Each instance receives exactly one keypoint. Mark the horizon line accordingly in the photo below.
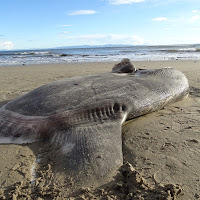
(103, 45)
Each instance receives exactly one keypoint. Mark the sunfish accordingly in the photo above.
(83, 115)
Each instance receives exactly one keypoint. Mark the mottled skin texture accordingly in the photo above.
(83, 115)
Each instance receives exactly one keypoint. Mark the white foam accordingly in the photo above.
(187, 50)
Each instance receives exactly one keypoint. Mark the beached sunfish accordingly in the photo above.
(82, 116)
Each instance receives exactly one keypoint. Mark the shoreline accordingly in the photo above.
(163, 145)
(148, 64)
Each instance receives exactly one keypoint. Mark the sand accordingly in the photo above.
(161, 150)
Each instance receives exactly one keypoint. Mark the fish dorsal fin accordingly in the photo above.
(124, 66)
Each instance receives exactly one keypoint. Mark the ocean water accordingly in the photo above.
(100, 54)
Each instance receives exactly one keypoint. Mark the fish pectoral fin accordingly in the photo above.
(93, 148)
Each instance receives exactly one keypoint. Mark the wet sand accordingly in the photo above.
(162, 148)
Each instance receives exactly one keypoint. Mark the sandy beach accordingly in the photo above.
(163, 148)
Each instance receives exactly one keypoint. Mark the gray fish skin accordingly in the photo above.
(83, 115)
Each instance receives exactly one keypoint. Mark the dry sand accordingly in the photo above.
(162, 149)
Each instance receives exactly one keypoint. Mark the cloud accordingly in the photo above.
(62, 34)
(118, 2)
(6, 45)
(167, 28)
(82, 12)
(195, 18)
(194, 29)
(101, 39)
(160, 19)
(195, 11)
(64, 25)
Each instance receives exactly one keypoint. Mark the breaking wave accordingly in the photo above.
(33, 53)
(181, 50)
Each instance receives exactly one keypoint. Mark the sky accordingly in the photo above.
(30, 24)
